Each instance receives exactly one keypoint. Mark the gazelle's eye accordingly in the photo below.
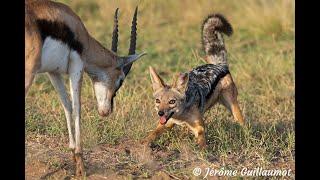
(157, 101)
(172, 101)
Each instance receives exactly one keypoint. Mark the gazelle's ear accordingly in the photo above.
(122, 61)
(181, 82)
(157, 82)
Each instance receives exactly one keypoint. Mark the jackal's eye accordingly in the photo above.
(172, 101)
(157, 101)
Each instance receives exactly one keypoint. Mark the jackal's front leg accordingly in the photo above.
(158, 131)
(197, 127)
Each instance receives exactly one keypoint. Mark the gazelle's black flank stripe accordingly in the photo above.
(60, 31)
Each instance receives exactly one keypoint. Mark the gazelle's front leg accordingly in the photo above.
(75, 71)
(59, 86)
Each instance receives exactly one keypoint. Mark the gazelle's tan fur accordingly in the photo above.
(57, 42)
(93, 52)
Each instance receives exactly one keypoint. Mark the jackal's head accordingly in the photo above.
(169, 100)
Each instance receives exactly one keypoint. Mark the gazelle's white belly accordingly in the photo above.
(55, 56)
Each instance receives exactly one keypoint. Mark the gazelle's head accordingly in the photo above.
(108, 79)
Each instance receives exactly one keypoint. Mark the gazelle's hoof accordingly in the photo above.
(80, 171)
(73, 157)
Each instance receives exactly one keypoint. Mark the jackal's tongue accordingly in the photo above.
(163, 120)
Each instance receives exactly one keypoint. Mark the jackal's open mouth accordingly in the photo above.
(164, 119)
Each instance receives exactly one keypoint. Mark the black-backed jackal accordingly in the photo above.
(193, 93)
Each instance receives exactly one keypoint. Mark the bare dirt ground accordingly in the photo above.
(49, 158)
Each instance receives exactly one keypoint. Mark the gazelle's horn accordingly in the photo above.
(114, 46)
(133, 39)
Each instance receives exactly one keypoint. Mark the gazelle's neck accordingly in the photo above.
(53, 15)
(95, 54)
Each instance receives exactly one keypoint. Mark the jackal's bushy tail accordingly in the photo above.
(212, 40)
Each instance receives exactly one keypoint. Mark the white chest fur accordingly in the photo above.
(55, 56)
(179, 122)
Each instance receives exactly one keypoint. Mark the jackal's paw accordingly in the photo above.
(202, 144)
(203, 147)
(144, 141)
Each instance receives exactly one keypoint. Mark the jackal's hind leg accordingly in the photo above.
(229, 100)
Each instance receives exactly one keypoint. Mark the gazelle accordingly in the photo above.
(57, 42)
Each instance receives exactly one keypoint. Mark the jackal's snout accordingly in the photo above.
(161, 113)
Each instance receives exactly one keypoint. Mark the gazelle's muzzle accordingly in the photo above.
(106, 110)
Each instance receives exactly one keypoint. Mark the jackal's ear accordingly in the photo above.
(181, 82)
(122, 61)
(157, 82)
